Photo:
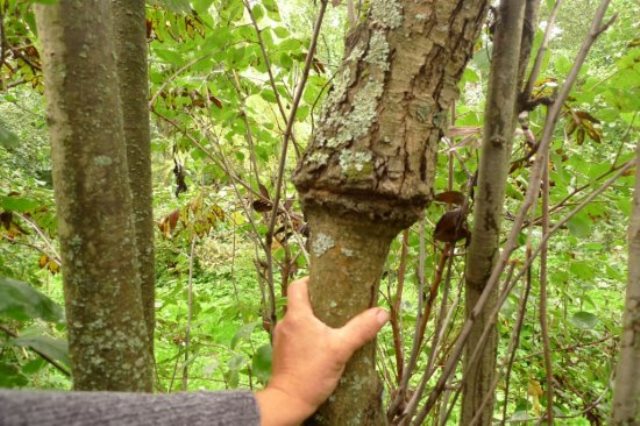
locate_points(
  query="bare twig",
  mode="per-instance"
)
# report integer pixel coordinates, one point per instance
(535, 71)
(47, 241)
(267, 62)
(544, 327)
(287, 136)
(187, 332)
(396, 326)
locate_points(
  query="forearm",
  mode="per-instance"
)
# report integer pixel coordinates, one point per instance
(279, 409)
(109, 408)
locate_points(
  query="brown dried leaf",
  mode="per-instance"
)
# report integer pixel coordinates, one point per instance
(264, 191)
(451, 197)
(262, 206)
(585, 116)
(451, 227)
(580, 136)
(216, 101)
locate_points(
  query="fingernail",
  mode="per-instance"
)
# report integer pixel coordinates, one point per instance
(382, 316)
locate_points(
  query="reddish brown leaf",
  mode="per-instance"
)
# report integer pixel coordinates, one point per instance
(451, 197)
(264, 191)
(149, 27)
(318, 66)
(580, 136)
(216, 101)
(585, 116)
(451, 227)
(288, 204)
(262, 206)
(168, 223)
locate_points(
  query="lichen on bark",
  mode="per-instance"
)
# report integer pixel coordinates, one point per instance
(389, 101)
(107, 333)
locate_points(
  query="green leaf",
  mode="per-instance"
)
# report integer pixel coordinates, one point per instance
(584, 320)
(202, 6)
(281, 32)
(22, 302)
(178, 6)
(232, 378)
(18, 204)
(169, 56)
(243, 333)
(8, 139)
(11, 377)
(34, 366)
(232, 10)
(268, 95)
(261, 363)
(258, 12)
(580, 226)
(237, 362)
(55, 349)
(582, 269)
(270, 5)
(290, 44)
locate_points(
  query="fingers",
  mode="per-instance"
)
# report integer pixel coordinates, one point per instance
(362, 329)
(298, 296)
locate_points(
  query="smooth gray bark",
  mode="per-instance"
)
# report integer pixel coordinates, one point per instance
(131, 50)
(626, 393)
(107, 333)
(489, 200)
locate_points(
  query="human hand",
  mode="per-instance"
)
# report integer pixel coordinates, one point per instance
(309, 358)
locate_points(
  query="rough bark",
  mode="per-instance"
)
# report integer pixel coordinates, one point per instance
(107, 333)
(492, 176)
(369, 169)
(626, 393)
(131, 51)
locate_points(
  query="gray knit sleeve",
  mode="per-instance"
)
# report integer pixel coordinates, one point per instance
(113, 408)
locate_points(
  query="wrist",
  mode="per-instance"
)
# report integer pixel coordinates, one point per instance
(278, 408)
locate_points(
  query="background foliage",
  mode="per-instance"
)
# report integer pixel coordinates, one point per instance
(222, 83)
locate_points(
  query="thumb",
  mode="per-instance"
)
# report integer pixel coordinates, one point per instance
(361, 329)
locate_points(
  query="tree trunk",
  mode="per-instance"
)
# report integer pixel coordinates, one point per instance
(107, 332)
(131, 51)
(369, 169)
(626, 393)
(492, 177)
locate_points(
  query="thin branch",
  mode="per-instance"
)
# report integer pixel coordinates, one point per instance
(187, 332)
(537, 65)
(267, 62)
(285, 144)
(544, 327)
(396, 326)
(47, 241)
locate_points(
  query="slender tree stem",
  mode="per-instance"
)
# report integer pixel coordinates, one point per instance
(595, 30)
(283, 154)
(544, 327)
